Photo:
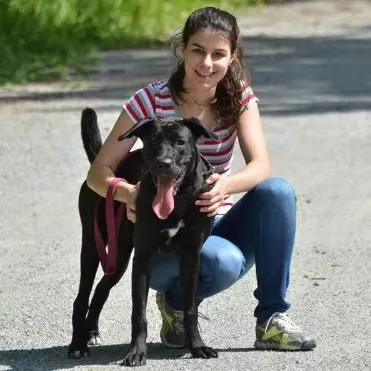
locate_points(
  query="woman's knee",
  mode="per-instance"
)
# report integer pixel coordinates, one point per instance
(222, 263)
(276, 190)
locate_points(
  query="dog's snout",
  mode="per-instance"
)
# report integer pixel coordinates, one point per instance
(163, 163)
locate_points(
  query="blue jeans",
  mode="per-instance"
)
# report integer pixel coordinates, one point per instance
(260, 229)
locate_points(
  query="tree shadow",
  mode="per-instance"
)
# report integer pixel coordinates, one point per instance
(310, 75)
(291, 76)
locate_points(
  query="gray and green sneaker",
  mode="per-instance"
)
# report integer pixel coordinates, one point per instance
(172, 330)
(280, 333)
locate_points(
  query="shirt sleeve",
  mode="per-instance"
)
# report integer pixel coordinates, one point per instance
(247, 96)
(141, 104)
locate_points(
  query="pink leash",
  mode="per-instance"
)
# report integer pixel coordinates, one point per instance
(108, 259)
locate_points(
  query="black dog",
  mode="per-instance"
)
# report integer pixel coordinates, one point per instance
(172, 175)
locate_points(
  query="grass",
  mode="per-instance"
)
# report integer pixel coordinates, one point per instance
(43, 39)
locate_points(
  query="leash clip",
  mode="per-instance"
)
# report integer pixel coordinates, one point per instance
(210, 168)
(209, 172)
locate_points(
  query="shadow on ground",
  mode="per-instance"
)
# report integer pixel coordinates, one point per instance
(55, 358)
(290, 75)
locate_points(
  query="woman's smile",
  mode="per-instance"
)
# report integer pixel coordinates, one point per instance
(204, 75)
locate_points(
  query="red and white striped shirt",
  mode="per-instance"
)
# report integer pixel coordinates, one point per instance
(155, 100)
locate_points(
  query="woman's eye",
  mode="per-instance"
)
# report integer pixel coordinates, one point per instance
(198, 51)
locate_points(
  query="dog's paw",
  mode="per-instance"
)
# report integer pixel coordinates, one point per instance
(136, 356)
(94, 338)
(78, 352)
(134, 360)
(203, 352)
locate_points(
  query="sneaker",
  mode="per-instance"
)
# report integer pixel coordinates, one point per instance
(280, 333)
(172, 330)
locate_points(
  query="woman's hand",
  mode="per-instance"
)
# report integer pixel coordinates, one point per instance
(210, 201)
(130, 205)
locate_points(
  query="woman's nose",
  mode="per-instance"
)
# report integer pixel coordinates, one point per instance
(207, 61)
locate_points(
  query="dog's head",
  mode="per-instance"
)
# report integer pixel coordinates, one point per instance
(169, 149)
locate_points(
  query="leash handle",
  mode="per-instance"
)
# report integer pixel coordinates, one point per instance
(108, 259)
(112, 226)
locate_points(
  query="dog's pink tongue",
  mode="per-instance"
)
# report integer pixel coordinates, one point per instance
(163, 204)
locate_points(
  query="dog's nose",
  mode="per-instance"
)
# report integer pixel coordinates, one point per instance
(163, 163)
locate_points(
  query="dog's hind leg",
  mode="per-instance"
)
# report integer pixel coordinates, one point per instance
(88, 266)
(101, 293)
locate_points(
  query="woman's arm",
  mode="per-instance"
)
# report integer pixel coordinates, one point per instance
(254, 149)
(102, 170)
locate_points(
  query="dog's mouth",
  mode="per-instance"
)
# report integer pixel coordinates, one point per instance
(167, 188)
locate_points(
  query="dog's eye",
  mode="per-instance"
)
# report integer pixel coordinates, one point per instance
(180, 142)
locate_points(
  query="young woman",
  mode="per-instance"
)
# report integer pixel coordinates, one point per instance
(211, 83)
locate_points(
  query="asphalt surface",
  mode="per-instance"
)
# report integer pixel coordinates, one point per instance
(310, 63)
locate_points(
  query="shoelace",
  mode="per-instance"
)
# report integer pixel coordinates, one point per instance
(283, 321)
(178, 321)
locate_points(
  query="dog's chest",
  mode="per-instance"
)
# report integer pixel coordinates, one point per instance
(170, 234)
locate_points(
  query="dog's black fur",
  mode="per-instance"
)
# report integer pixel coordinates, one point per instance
(169, 152)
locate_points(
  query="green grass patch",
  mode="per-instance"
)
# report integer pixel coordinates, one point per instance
(42, 39)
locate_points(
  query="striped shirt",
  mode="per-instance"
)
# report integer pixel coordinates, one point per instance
(155, 100)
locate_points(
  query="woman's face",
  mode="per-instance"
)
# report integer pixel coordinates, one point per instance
(207, 56)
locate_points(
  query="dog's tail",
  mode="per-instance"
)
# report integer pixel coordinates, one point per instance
(90, 133)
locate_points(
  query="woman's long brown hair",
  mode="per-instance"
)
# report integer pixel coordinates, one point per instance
(229, 90)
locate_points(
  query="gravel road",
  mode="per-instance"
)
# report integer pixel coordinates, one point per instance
(311, 63)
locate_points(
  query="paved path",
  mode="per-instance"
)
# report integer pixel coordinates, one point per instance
(310, 63)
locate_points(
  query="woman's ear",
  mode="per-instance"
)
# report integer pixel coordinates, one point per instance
(179, 51)
(233, 57)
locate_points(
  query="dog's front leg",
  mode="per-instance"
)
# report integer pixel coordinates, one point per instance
(137, 353)
(189, 275)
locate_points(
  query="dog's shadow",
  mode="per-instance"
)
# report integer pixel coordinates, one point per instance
(55, 358)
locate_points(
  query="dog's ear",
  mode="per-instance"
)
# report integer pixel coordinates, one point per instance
(139, 129)
(198, 130)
